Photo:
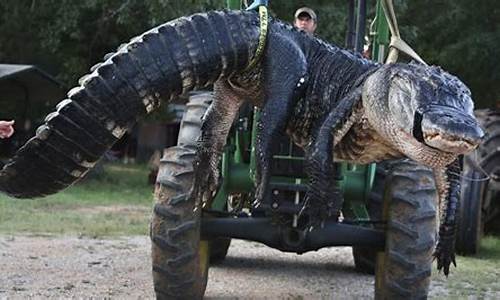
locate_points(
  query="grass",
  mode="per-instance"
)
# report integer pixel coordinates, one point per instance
(475, 277)
(116, 203)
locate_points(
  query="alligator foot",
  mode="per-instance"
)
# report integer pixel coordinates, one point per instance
(323, 199)
(321, 205)
(205, 188)
(207, 178)
(448, 181)
(445, 255)
(262, 194)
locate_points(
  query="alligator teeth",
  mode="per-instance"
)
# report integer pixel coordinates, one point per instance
(450, 144)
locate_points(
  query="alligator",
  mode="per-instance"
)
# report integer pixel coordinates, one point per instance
(329, 100)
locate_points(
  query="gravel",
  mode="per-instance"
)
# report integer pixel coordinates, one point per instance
(64, 267)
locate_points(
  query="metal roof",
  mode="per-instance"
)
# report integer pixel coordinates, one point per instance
(8, 71)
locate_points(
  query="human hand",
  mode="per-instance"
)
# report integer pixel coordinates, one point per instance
(6, 129)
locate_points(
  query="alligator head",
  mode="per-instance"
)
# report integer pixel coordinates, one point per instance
(423, 112)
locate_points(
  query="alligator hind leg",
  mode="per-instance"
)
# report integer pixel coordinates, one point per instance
(215, 129)
(448, 182)
(324, 198)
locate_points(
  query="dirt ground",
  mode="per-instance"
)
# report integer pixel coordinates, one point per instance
(63, 267)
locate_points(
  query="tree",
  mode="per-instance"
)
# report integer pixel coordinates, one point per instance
(66, 37)
(463, 36)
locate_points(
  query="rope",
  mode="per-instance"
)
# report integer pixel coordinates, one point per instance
(397, 43)
(263, 18)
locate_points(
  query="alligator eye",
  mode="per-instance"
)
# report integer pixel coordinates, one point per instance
(417, 127)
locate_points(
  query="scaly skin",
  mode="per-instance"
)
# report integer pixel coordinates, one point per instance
(448, 182)
(331, 102)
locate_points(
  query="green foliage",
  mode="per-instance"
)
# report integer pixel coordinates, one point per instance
(66, 37)
(332, 16)
(463, 37)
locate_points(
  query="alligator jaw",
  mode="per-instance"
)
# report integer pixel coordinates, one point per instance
(449, 143)
(450, 131)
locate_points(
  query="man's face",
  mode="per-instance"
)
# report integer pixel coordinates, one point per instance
(305, 23)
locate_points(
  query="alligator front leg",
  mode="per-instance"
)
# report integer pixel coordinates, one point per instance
(324, 198)
(448, 183)
(284, 82)
(215, 129)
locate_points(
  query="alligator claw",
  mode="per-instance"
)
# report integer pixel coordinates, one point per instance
(207, 180)
(318, 210)
(205, 192)
(259, 194)
(445, 256)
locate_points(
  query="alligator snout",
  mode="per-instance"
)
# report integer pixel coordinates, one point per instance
(450, 130)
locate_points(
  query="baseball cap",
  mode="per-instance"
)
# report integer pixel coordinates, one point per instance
(306, 10)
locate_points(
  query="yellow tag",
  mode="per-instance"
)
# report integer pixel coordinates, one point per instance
(262, 37)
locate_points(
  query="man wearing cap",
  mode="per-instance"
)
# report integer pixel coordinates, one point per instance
(305, 20)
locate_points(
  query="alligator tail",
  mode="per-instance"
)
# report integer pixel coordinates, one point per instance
(184, 54)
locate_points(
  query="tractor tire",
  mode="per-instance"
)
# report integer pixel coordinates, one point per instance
(365, 257)
(180, 258)
(490, 120)
(190, 128)
(189, 133)
(480, 205)
(404, 268)
(488, 157)
(218, 250)
(470, 226)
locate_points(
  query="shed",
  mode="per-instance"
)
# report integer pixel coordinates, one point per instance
(27, 94)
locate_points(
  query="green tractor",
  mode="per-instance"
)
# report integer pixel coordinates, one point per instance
(388, 216)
